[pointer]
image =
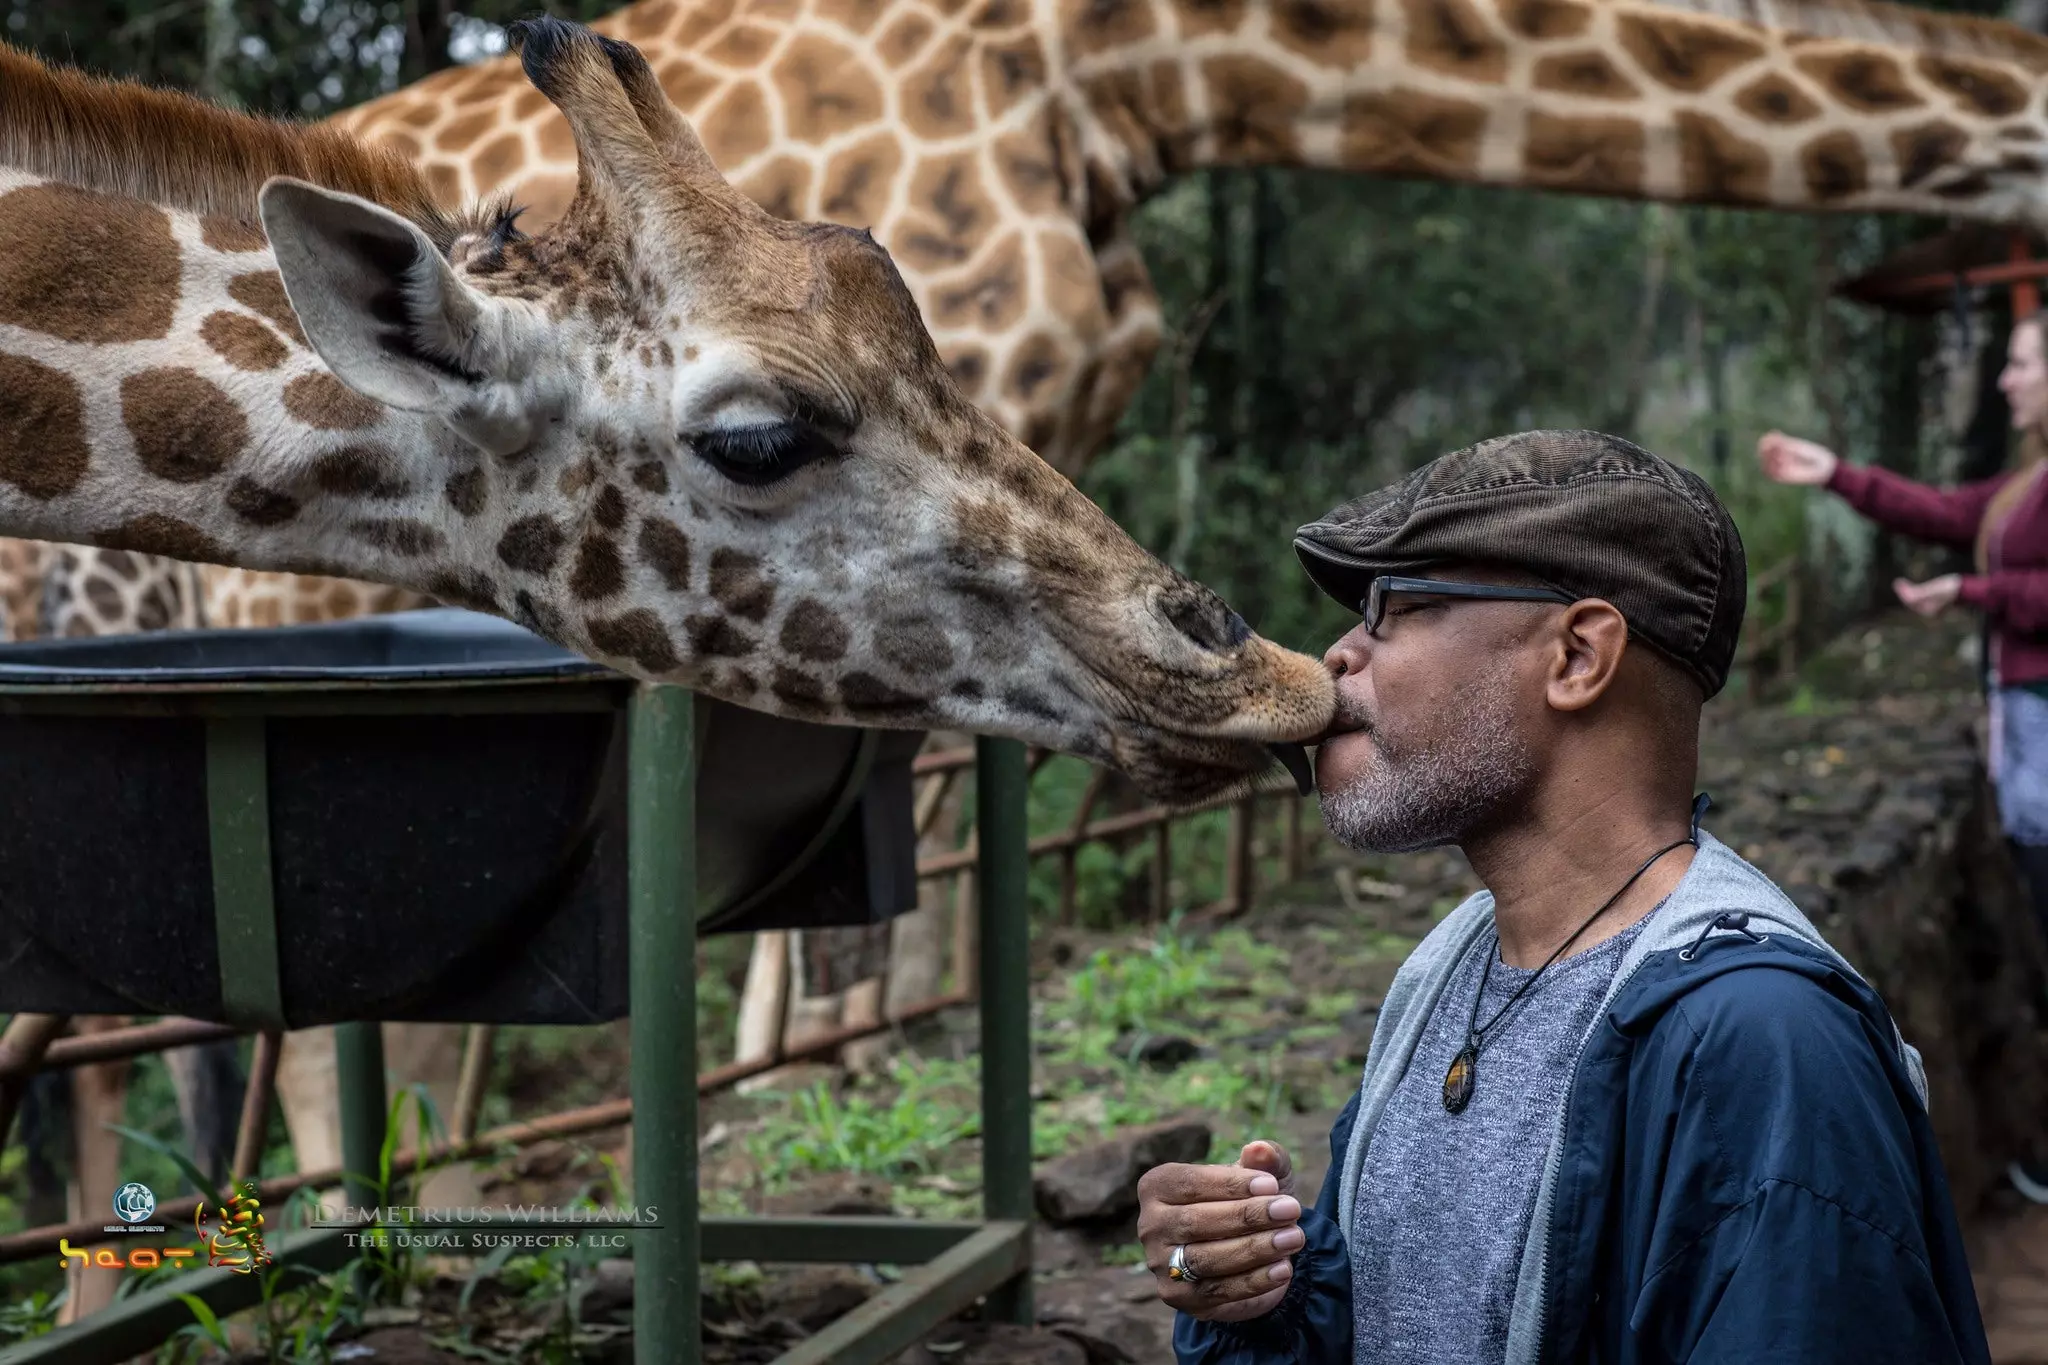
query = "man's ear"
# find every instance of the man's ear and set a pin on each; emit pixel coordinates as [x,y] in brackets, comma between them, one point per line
[1592,637]
[379,303]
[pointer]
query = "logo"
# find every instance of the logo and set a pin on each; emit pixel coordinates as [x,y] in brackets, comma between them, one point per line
[134,1202]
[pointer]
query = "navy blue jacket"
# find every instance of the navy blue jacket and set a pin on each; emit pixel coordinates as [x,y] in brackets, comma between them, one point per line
[1747,1175]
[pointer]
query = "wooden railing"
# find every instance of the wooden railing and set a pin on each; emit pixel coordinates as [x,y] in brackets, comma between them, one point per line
[939,770]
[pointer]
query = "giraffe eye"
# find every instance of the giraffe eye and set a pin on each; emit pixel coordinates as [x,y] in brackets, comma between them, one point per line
[756,456]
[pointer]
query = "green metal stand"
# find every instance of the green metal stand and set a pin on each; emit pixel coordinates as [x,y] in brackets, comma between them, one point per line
[1001,788]
[661,891]
[955,1262]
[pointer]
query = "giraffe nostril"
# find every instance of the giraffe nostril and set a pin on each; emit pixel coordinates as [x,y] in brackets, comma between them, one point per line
[1204,619]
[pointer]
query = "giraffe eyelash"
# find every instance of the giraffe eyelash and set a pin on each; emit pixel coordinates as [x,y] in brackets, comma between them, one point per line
[757,456]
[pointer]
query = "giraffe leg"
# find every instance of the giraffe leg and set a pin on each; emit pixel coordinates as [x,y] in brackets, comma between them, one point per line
[307,1092]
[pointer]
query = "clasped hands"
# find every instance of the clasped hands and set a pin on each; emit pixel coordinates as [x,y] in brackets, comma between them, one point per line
[1236,1225]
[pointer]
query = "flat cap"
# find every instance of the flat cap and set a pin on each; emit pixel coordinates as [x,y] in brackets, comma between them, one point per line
[1592,515]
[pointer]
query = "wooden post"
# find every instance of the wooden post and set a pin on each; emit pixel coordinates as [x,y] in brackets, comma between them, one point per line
[1239,863]
[256,1100]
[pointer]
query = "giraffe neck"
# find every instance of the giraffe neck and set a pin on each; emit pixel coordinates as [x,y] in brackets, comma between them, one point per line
[1838,105]
[158,396]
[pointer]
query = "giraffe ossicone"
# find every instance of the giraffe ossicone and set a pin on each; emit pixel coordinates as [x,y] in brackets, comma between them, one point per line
[670,431]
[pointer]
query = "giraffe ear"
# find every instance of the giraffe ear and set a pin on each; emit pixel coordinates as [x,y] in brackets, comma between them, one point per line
[379,302]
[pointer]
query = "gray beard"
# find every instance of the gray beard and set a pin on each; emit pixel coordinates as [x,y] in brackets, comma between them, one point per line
[1434,789]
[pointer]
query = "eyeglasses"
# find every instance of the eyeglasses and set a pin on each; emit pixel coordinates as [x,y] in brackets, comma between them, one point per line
[1374,607]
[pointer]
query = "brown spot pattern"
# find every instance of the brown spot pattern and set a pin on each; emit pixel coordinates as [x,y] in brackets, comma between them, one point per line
[1544,20]
[599,570]
[242,341]
[738,585]
[824,88]
[532,544]
[1592,155]
[262,291]
[1834,166]
[402,536]
[1864,81]
[865,694]
[465,491]
[813,632]
[665,549]
[260,506]
[1412,132]
[1253,108]
[320,400]
[651,476]
[798,690]
[1926,148]
[736,127]
[857,180]
[917,646]
[153,533]
[360,471]
[937,99]
[637,635]
[185,428]
[1681,53]
[1716,166]
[1979,89]
[994,297]
[465,589]
[1451,36]
[1588,73]
[1334,33]
[42,429]
[609,511]
[716,637]
[1775,99]
[231,234]
[103,270]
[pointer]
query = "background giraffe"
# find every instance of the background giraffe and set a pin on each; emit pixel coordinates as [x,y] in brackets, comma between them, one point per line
[998,147]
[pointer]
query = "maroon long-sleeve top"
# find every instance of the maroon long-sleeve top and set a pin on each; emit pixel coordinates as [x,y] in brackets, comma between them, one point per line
[2012,591]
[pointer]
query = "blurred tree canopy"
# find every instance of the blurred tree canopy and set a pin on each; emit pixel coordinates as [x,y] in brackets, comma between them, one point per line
[1326,332]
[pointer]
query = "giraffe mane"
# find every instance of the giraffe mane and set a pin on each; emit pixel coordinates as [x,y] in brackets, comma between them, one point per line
[1930,31]
[165,147]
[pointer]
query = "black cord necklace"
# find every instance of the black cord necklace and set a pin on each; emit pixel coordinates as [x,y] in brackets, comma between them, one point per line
[1463,1075]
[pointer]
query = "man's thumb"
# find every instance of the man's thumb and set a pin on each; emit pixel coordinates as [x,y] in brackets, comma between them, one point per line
[1269,1157]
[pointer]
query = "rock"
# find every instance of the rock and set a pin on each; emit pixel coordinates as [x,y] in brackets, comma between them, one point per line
[1160,1051]
[995,1343]
[819,1296]
[836,1194]
[1098,1350]
[1100,1182]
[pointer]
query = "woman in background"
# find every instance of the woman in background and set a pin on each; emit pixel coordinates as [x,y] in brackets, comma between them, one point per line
[2005,522]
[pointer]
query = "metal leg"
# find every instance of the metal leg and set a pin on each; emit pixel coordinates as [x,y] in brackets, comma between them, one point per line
[661,852]
[359,1079]
[1001,787]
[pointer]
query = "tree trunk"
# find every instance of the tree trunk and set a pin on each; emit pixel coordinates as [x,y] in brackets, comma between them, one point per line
[426,40]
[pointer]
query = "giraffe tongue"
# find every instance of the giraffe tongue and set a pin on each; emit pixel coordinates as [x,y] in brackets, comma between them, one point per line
[1295,759]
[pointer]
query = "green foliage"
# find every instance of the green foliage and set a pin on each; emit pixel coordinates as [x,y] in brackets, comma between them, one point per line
[934,1106]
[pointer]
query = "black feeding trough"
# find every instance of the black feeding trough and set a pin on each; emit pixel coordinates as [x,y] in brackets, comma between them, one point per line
[446,811]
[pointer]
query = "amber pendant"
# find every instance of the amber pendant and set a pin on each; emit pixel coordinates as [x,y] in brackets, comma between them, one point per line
[1458,1081]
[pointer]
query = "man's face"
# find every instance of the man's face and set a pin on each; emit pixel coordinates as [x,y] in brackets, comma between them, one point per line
[1435,719]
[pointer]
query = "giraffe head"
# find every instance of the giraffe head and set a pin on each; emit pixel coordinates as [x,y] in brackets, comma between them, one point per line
[720,448]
